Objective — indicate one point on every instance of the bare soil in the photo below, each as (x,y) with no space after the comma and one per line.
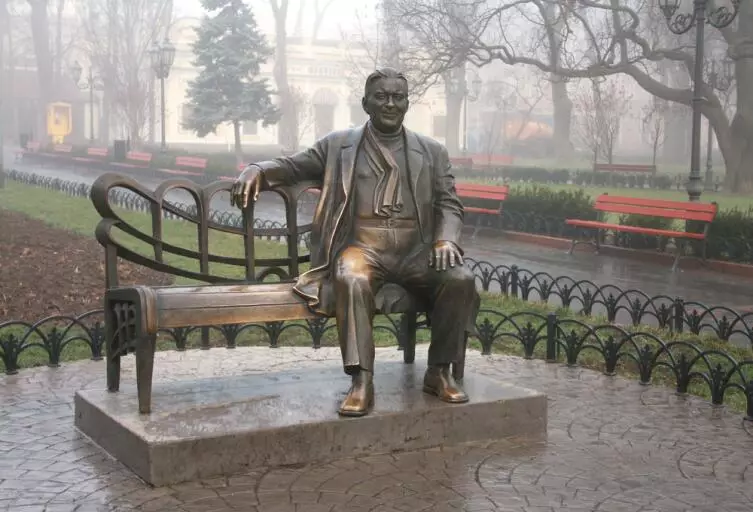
(47,271)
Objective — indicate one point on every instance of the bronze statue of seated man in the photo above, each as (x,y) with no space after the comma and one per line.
(388,212)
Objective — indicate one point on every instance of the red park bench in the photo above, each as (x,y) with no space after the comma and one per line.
(143,159)
(98,152)
(489,198)
(186,165)
(93,155)
(700,212)
(651,169)
(462,162)
(62,148)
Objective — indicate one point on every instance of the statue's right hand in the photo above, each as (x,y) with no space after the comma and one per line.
(247,186)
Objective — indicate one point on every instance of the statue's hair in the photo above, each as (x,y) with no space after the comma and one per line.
(380,74)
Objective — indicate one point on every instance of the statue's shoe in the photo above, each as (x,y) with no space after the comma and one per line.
(360,398)
(438,381)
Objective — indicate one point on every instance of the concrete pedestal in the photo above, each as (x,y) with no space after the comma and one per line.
(206,428)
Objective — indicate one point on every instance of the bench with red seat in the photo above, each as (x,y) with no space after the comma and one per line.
(62,148)
(188,166)
(488,200)
(93,155)
(137,159)
(680,210)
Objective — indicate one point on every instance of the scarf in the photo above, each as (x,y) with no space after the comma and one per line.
(388,194)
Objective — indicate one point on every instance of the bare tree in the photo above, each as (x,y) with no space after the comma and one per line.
(367,50)
(613,31)
(304,109)
(599,111)
(119,34)
(655,125)
(40,28)
(288,132)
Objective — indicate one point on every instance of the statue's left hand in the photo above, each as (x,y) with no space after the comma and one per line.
(445,254)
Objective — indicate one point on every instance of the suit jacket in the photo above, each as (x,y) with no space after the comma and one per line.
(330,162)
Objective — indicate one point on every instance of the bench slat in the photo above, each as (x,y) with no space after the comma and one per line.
(650,211)
(634,229)
(483,195)
(657,203)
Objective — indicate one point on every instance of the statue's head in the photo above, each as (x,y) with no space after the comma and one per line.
(385,99)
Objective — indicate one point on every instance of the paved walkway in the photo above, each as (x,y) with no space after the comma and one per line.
(613,446)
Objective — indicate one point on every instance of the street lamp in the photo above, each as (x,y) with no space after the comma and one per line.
(680,23)
(162,56)
(469,94)
(721,81)
(90,84)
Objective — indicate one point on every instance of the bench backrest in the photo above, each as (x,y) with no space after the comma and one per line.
(33,145)
(62,148)
(97,151)
(704,212)
(112,190)
(138,156)
(478,191)
(191,161)
(624,168)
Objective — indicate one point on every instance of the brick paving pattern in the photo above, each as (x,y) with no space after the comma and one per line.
(613,446)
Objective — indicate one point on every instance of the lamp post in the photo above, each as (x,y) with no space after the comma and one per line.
(163,56)
(90,83)
(721,81)
(460,86)
(704,11)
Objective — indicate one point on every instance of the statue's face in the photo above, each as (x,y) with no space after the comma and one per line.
(386,102)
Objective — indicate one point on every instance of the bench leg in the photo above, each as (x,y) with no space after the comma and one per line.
(458,367)
(680,243)
(145,348)
(407,335)
(112,352)
(572,246)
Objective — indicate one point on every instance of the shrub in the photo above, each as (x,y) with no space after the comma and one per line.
(640,241)
(730,236)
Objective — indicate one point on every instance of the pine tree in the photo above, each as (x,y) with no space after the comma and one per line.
(229,53)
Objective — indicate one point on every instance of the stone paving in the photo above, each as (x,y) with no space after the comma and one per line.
(612,446)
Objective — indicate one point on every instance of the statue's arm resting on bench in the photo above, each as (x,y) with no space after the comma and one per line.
(304,166)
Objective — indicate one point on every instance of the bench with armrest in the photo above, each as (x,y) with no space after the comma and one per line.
(134,315)
(488,201)
(605,204)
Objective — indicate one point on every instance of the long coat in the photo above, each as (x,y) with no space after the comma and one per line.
(330,162)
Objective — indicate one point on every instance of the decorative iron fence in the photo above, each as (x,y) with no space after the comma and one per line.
(711,373)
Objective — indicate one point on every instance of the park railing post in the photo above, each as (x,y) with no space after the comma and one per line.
(551,338)
(678,314)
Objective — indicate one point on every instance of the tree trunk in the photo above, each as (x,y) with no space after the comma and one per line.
(40,29)
(736,144)
(454,103)
(237,141)
(288,126)
(58,54)
(563,114)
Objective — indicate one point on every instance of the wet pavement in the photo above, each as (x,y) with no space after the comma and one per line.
(613,446)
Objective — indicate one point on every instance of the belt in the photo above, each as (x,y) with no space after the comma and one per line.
(386,222)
